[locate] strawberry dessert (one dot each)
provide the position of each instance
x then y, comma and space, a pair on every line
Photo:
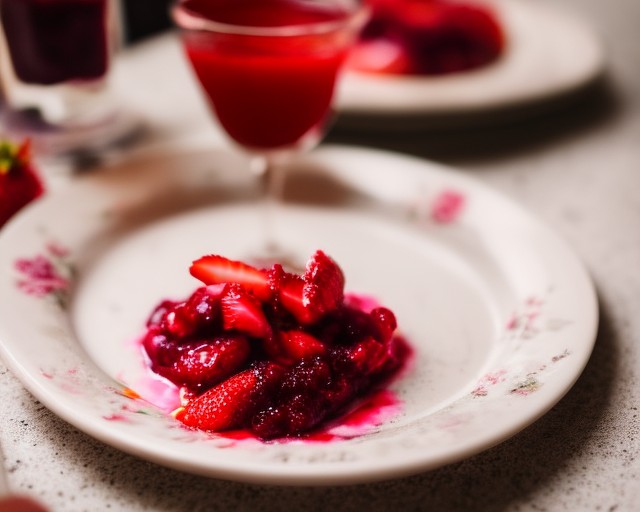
271, 353
19, 182
428, 37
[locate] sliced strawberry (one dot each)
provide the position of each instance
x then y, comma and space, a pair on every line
202, 365
317, 292
287, 290
276, 277
231, 403
323, 289
298, 345
222, 407
214, 269
186, 395
242, 312
291, 297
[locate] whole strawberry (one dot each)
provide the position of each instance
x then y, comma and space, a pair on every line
19, 183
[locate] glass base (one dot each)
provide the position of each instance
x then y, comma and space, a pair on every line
78, 142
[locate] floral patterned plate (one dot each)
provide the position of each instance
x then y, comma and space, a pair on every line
501, 314
533, 68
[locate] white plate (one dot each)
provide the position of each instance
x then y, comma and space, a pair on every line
549, 53
500, 312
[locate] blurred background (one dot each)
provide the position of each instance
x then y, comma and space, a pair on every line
145, 17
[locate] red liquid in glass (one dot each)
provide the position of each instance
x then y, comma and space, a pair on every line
267, 91
54, 41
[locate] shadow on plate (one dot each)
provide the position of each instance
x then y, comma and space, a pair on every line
487, 134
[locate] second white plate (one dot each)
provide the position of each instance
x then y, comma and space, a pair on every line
549, 52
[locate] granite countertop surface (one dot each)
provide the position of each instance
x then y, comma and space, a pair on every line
578, 169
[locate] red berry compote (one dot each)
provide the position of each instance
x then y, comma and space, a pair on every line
428, 37
272, 353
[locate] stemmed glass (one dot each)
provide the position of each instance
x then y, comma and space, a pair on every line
269, 70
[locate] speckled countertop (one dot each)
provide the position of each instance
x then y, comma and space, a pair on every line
578, 169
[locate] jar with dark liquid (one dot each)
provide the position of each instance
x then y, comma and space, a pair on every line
55, 41
55, 63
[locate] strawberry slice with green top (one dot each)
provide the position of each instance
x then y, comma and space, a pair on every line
215, 269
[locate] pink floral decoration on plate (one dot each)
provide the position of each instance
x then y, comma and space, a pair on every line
488, 380
47, 274
447, 206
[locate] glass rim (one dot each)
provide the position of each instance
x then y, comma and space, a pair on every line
187, 19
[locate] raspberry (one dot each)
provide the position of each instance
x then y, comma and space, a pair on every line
384, 322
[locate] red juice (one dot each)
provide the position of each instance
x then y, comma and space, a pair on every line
268, 91
55, 41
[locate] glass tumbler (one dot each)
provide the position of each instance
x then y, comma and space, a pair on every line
55, 63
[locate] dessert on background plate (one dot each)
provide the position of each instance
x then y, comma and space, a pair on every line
434, 63
428, 37
271, 353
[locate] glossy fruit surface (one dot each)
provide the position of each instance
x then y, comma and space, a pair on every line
275, 353
428, 37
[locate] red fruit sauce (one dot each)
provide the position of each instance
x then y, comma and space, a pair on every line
428, 37
272, 367
267, 91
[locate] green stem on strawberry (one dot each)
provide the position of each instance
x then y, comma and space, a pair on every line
14, 155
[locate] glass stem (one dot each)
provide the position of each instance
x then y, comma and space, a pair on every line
271, 174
